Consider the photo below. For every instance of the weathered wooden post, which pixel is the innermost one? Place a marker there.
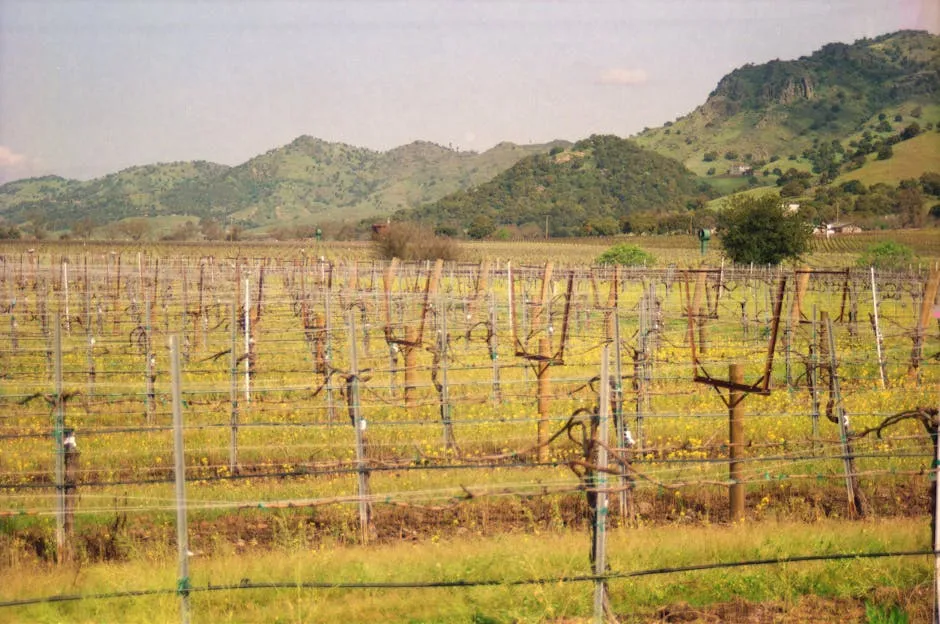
(58, 436)
(179, 463)
(233, 393)
(359, 424)
(544, 396)
(876, 325)
(494, 350)
(920, 330)
(601, 605)
(857, 503)
(411, 365)
(70, 449)
(736, 441)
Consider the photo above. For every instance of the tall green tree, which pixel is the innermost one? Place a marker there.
(762, 231)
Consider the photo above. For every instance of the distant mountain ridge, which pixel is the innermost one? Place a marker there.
(306, 181)
(780, 108)
(797, 124)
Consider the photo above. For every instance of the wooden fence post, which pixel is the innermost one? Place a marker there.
(58, 436)
(926, 306)
(736, 445)
(359, 425)
(70, 449)
(858, 505)
(179, 462)
(544, 396)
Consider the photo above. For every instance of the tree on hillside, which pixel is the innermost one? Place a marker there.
(909, 205)
(135, 229)
(84, 227)
(762, 231)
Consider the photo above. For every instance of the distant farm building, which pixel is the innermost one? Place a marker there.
(831, 229)
(741, 170)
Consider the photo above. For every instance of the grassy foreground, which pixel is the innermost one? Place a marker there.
(508, 557)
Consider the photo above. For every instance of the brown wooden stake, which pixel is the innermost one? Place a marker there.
(835, 411)
(430, 290)
(387, 285)
(796, 308)
(539, 317)
(479, 293)
(71, 496)
(411, 368)
(702, 333)
(736, 445)
(200, 317)
(544, 399)
(926, 306)
(610, 313)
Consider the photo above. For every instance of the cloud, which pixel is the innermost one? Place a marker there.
(622, 76)
(9, 158)
(14, 166)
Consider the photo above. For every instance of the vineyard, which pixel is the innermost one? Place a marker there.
(238, 405)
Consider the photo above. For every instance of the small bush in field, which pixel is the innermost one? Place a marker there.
(626, 254)
(409, 241)
(887, 255)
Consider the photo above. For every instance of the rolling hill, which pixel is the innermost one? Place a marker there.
(306, 181)
(590, 188)
(760, 113)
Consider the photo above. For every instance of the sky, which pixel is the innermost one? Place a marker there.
(92, 87)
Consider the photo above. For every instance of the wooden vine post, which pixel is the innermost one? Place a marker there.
(737, 391)
(233, 391)
(70, 457)
(920, 331)
(492, 342)
(394, 347)
(543, 373)
(602, 610)
(412, 340)
(543, 364)
(58, 437)
(543, 358)
(441, 385)
(736, 396)
(835, 410)
(359, 425)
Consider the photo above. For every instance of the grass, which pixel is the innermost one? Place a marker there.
(911, 159)
(506, 557)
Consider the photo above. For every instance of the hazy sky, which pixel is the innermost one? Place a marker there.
(91, 87)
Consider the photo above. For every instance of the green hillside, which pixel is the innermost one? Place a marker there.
(134, 192)
(759, 114)
(910, 159)
(307, 181)
(591, 188)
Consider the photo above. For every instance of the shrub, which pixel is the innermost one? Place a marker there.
(887, 255)
(627, 255)
(410, 241)
(888, 614)
(761, 231)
